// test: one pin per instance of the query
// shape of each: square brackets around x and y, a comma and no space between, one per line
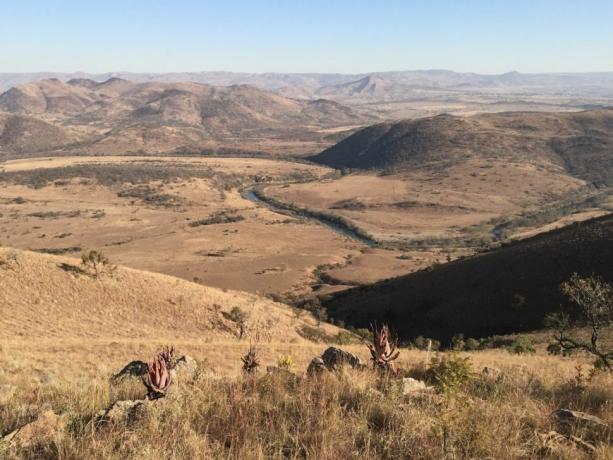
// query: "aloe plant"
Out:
[157,379]
[250,360]
[168,355]
[383,349]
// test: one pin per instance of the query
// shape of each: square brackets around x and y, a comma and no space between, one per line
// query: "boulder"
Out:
[132,369]
[334,358]
[573,416]
[47,429]
[185,369]
[316,367]
[411,386]
[121,413]
[6,393]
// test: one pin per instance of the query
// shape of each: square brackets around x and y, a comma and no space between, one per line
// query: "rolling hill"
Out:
[116,115]
[507,290]
[580,143]
[46,296]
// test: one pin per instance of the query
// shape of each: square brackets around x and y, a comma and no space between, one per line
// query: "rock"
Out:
[121,413]
[47,429]
[570,416]
[490,373]
[411,386]
[6,393]
[334,358]
[316,367]
[132,369]
[185,369]
[553,439]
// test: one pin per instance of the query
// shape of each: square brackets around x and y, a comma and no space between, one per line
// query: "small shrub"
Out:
[457,342]
[97,264]
[364,333]
[450,372]
[285,362]
[218,218]
[344,338]
[240,317]
[471,344]
[521,345]
[425,343]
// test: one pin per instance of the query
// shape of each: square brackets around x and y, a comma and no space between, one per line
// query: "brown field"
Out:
[149,227]
[461,201]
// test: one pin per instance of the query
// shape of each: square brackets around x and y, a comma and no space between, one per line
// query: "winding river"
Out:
[333,224]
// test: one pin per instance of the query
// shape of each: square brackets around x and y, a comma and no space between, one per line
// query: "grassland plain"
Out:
[124,206]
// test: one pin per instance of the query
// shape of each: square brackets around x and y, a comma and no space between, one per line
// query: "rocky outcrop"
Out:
[335,358]
[132,369]
[121,413]
[48,429]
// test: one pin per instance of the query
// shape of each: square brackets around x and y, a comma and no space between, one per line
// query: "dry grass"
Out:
[51,297]
[354,415]
[65,334]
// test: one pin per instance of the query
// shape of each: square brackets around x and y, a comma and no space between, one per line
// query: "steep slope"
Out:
[507,290]
[581,143]
[46,296]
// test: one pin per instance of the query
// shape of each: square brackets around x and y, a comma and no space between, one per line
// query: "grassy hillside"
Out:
[50,297]
[509,289]
[580,143]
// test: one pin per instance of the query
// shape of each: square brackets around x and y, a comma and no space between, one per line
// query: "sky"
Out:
[344,36]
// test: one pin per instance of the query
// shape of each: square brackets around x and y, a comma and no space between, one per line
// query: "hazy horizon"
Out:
[313,72]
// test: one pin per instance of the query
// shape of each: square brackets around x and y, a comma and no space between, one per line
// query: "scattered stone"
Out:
[334,358]
[132,369]
[121,413]
[6,393]
[316,367]
[47,429]
[570,416]
[411,386]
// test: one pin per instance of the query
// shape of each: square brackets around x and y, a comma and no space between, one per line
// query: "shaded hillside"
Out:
[118,115]
[507,290]
[46,296]
[580,143]
[20,133]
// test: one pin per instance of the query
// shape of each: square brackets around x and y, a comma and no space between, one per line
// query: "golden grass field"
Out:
[84,214]
[65,333]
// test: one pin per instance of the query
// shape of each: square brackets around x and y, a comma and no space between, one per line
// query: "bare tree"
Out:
[593,308]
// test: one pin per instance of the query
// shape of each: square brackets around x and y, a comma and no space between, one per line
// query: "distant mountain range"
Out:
[375,85]
[121,116]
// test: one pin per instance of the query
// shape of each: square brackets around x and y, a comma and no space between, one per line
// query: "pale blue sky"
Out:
[348,36]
